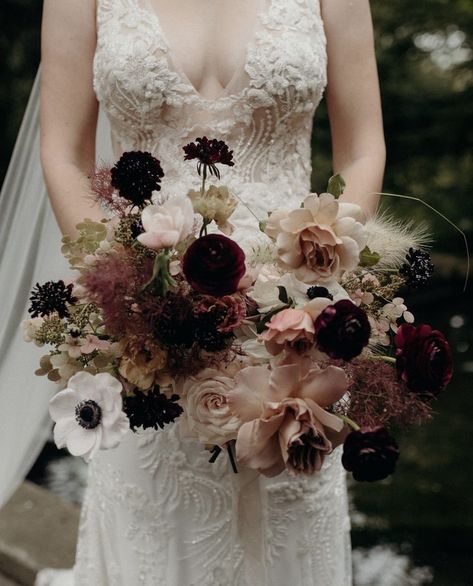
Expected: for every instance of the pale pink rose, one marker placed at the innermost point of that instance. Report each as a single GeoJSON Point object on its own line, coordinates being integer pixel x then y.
{"type": "Point", "coordinates": [168, 224]}
{"type": "Point", "coordinates": [321, 240]}
{"type": "Point", "coordinates": [285, 421]}
{"type": "Point", "coordinates": [293, 329]}
{"type": "Point", "coordinates": [207, 416]}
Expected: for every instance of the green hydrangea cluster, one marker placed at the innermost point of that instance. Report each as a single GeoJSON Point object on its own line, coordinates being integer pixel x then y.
{"type": "Point", "coordinates": [91, 235]}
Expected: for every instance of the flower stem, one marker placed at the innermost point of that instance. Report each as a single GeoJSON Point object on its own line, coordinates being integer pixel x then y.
{"type": "Point", "coordinates": [232, 457]}
{"type": "Point", "coordinates": [349, 422]}
{"type": "Point", "coordinates": [204, 177]}
{"type": "Point", "coordinates": [388, 359]}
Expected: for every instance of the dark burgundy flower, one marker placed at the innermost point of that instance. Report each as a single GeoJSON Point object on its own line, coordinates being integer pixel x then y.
{"type": "Point", "coordinates": [209, 153]}
{"type": "Point", "coordinates": [53, 296]}
{"type": "Point", "coordinates": [370, 454]}
{"type": "Point", "coordinates": [214, 265]}
{"type": "Point", "coordinates": [342, 330]}
{"type": "Point", "coordinates": [424, 359]}
{"type": "Point", "coordinates": [136, 175]}
{"type": "Point", "coordinates": [151, 409]}
{"type": "Point", "coordinates": [418, 269]}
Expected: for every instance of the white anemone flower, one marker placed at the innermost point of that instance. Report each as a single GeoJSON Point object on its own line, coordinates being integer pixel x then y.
{"type": "Point", "coordinates": [88, 414]}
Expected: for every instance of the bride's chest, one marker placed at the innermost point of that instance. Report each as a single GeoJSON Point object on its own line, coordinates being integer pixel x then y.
{"type": "Point", "coordinates": [138, 70]}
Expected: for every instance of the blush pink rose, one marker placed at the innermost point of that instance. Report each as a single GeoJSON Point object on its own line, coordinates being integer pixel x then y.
{"type": "Point", "coordinates": [293, 329]}
{"type": "Point", "coordinates": [320, 240]}
{"type": "Point", "coordinates": [285, 423]}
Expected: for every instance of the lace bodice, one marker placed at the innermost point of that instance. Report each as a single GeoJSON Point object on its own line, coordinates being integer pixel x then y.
{"type": "Point", "coordinates": [264, 113]}
{"type": "Point", "coordinates": [156, 512]}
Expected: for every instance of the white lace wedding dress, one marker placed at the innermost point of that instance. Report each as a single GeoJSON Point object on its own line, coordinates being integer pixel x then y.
{"type": "Point", "coordinates": [156, 513]}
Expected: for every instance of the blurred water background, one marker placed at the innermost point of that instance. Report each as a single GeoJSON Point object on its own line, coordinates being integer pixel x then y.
{"type": "Point", "coordinates": [416, 527]}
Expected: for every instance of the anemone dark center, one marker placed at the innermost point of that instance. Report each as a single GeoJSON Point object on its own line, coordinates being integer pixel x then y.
{"type": "Point", "coordinates": [88, 414]}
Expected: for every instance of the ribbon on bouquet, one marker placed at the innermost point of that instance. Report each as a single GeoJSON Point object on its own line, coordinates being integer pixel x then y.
{"type": "Point", "coordinates": [249, 516]}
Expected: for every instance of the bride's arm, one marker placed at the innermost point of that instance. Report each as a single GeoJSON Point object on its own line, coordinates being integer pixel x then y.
{"type": "Point", "coordinates": [353, 100]}
{"type": "Point", "coordinates": [68, 109]}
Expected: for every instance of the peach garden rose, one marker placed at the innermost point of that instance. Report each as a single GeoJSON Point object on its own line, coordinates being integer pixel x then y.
{"type": "Point", "coordinates": [320, 240]}
{"type": "Point", "coordinates": [285, 424]}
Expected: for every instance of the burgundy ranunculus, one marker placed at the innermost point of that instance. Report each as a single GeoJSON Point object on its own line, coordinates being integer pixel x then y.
{"type": "Point", "coordinates": [370, 454]}
{"type": "Point", "coordinates": [424, 358]}
{"type": "Point", "coordinates": [342, 330]}
{"type": "Point", "coordinates": [214, 265]}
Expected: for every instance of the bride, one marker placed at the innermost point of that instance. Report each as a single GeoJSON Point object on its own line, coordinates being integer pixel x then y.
{"type": "Point", "coordinates": [250, 73]}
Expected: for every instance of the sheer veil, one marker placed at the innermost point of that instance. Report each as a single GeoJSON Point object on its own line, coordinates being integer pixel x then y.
{"type": "Point", "coordinates": [29, 253]}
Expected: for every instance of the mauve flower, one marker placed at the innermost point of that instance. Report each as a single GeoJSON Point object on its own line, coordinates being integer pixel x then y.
{"type": "Point", "coordinates": [164, 226]}
{"type": "Point", "coordinates": [423, 358]}
{"type": "Point", "coordinates": [207, 416]}
{"type": "Point", "coordinates": [285, 421]}
{"type": "Point", "coordinates": [214, 265]}
{"type": "Point", "coordinates": [342, 330]}
{"type": "Point", "coordinates": [320, 240]}
{"type": "Point", "coordinates": [88, 414]}
{"type": "Point", "coordinates": [370, 454]}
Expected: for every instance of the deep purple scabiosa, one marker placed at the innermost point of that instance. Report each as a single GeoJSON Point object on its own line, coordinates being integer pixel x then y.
{"type": "Point", "coordinates": [151, 409]}
{"type": "Point", "coordinates": [52, 297]}
{"type": "Point", "coordinates": [370, 454]}
{"type": "Point", "coordinates": [342, 330]}
{"type": "Point", "coordinates": [209, 153]}
{"type": "Point", "coordinates": [419, 268]}
{"type": "Point", "coordinates": [136, 175]}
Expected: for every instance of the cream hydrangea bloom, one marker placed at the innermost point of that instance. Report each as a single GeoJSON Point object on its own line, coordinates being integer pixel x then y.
{"type": "Point", "coordinates": [320, 240]}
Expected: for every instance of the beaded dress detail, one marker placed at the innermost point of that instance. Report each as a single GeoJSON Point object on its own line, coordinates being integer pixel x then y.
{"type": "Point", "coordinates": [156, 513]}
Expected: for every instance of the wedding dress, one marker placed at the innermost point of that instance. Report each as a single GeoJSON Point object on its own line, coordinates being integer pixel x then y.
{"type": "Point", "coordinates": [156, 512]}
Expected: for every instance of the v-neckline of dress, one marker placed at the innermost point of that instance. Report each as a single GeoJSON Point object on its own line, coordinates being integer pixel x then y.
{"type": "Point", "coordinates": [240, 68]}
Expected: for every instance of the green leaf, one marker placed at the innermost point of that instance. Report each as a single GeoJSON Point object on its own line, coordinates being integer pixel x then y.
{"type": "Point", "coordinates": [336, 186]}
{"type": "Point", "coordinates": [262, 226]}
{"type": "Point", "coordinates": [283, 296]}
{"type": "Point", "coordinates": [369, 258]}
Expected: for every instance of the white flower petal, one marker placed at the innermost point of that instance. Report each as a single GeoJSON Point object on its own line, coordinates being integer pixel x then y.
{"type": "Point", "coordinates": [62, 429]}
{"type": "Point", "coordinates": [80, 441]}
{"type": "Point", "coordinates": [63, 404]}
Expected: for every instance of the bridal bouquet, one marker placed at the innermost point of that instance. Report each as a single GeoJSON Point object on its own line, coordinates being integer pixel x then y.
{"type": "Point", "coordinates": [277, 355]}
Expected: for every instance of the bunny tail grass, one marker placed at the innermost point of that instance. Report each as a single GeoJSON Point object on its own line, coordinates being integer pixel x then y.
{"type": "Point", "coordinates": [391, 238]}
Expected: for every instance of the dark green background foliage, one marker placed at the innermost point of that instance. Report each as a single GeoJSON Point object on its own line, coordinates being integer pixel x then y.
{"type": "Point", "coordinates": [427, 107]}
